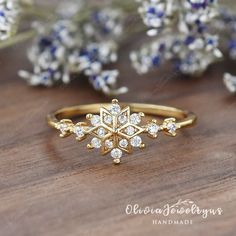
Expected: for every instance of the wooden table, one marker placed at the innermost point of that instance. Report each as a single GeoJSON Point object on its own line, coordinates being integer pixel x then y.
{"type": "Point", "coordinates": [52, 186]}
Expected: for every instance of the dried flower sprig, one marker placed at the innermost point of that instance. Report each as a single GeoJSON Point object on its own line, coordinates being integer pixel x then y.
{"type": "Point", "coordinates": [9, 13]}
{"type": "Point", "coordinates": [182, 33]}
{"type": "Point", "coordinates": [192, 48]}
{"type": "Point", "coordinates": [73, 38]}
{"type": "Point", "coordinates": [69, 47]}
{"type": "Point", "coordinates": [227, 25]}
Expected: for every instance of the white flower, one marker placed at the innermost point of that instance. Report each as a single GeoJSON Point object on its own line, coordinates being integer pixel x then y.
{"type": "Point", "coordinates": [230, 82]}
{"type": "Point", "coordinates": [9, 10]}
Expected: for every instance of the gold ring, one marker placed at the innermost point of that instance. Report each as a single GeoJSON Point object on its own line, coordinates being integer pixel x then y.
{"type": "Point", "coordinates": [114, 129]}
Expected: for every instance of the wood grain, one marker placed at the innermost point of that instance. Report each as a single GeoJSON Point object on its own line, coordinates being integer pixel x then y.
{"type": "Point", "coordinates": [52, 186]}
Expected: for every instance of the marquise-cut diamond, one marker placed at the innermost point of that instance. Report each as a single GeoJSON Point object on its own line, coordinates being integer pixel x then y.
{"type": "Point", "coordinates": [123, 143]}
{"type": "Point", "coordinates": [153, 128]}
{"type": "Point", "coordinates": [116, 153]}
{"type": "Point", "coordinates": [135, 118]}
{"type": "Point", "coordinates": [96, 143]}
{"type": "Point", "coordinates": [122, 118]}
{"type": "Point", "coordinates": [115, 109]}
{"type": "Point", "coordinates": [130, 130]}
{"type": "Point", "coordinates": [95, 120]}
{"type": "Point", "coordinates": [136, 141]}
{"type": "Point", "coordinates": [109, 144]}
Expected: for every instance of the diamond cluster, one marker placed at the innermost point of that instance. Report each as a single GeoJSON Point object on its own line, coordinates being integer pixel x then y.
{"type": "Point", "coordinates": [115, 130]}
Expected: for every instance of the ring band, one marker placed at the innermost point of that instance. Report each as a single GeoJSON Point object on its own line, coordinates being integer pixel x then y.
{"type": "Point", "coordinates": [116, 130]}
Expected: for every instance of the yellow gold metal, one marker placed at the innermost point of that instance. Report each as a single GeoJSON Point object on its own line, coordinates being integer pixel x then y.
{"type": "Point", "coordinates": [113, 130]}
{"type": "Point", "coordinates": [89, 116]}
{"type": "Point", "coordinates": [89, 146]}
{"type": "Point", "coordinates": [142, 145]}
{"type": "Point", "coordinates": [141, 114]}
{"type": "Point", "coordinates": [116, 161]}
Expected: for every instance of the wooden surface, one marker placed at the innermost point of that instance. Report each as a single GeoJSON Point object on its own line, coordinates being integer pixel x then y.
{"type": "Point", "coordinates": [52, 186]}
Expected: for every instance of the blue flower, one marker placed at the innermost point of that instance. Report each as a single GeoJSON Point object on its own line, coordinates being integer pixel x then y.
{"type": "Point", "coordinates": [107, 22]}
{"type": "Point", "coordinates": [59, 51]}
{"type": "Point", "coordinates": [197, 4]}
{"type": "Point", "coordinates": [153, 13]}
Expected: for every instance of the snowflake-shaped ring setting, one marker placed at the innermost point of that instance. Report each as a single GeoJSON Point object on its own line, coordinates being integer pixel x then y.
{"type": "Point", "coordinates": [117, 129]}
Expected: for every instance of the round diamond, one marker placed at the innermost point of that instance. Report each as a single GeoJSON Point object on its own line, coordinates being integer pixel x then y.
{"type": "Point", "coordinates": [63, 127]}
{"type": "Point", "coordinates": [123, 143]}
{"type": "Point", "coordinates": [109, 144]}
{"type": "Point", "coordinates": [153, 128]}
{"type": "Point", "coordinates": [96, 143]}
{"type": "Point", "coordinates": [130, 130]}
{"type": "Point", "coordinates": [79, 131]}
{"type": "Point", "coordinates": [135, 118]}
{"type": "Point", "coordinates": [122, 118]}
{"type": "Point", "coordinates": [116, 153]}
{"type": "Point", "coordinates": [108, 119]}
{"type": "Point", "coordinates": [95, 120]}
{"type": "Point", "coordinates": [136, 141]}
{"type": "Point", "coordinates": [115, 109]}
{"type": "Point", "coordinates": [101, 132]}
{"type": "Point", "coordinates": [171, 127]}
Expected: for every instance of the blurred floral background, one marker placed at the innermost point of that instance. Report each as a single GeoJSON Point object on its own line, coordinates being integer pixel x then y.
{"type": "Point", "coordinates": [70, 38]}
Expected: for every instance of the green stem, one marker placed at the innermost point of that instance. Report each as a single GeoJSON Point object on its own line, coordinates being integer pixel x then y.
{"type": "Point", "coordinates": [26, 3]}
{"type": "Point", "coordinates": [39, 12]}
{"type": "Point", "coordinates": [19, 38]}
{"type": "Point", "coordinates": [127, 6]}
